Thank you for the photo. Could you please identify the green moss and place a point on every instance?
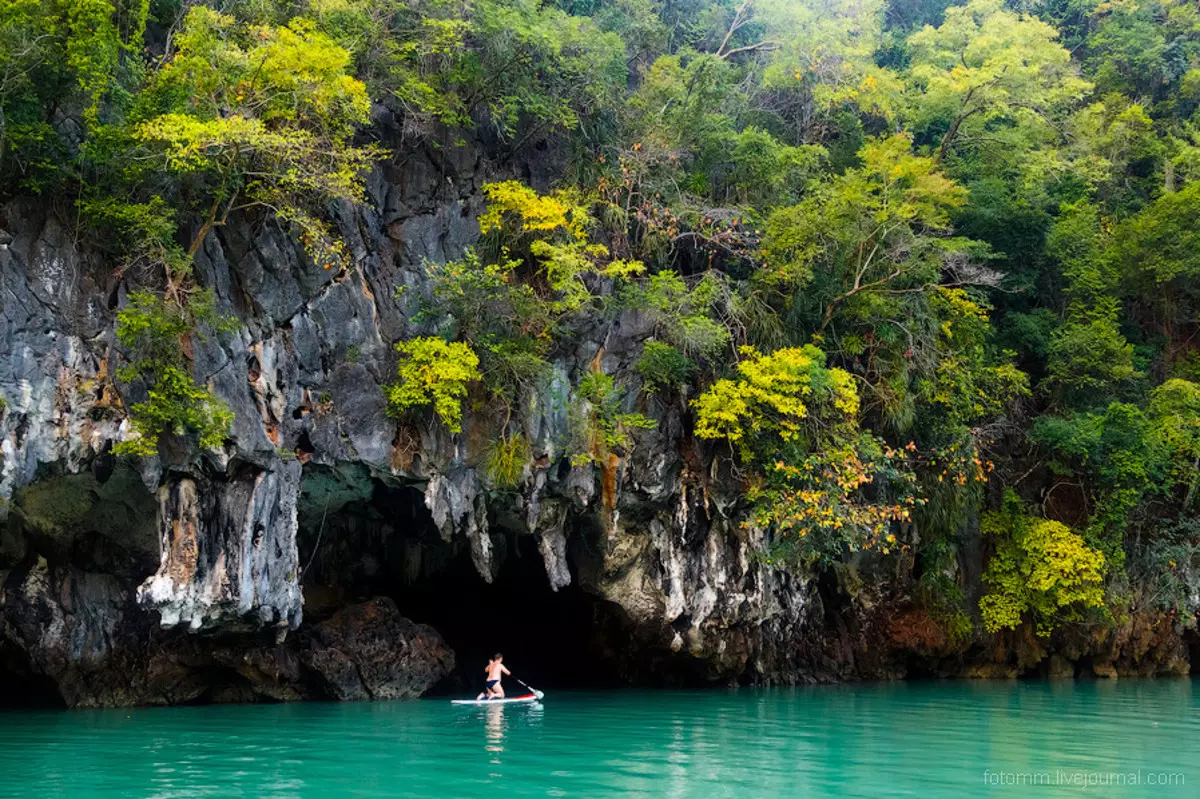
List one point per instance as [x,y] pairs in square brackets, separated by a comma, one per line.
[57,505]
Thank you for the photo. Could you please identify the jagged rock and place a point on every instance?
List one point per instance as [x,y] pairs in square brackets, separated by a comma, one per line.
[370,651]
[229,554]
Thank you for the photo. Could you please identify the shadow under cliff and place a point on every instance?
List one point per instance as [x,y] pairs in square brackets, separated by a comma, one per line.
[382,541]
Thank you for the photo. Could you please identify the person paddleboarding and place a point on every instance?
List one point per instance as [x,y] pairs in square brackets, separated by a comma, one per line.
[495,668]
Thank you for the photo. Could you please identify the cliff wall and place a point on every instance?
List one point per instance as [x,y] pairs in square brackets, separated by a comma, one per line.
[286,566]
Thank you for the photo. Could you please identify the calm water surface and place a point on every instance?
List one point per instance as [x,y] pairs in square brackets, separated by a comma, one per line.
[920,739]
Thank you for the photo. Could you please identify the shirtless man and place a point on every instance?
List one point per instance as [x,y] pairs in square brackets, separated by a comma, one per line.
[495,668]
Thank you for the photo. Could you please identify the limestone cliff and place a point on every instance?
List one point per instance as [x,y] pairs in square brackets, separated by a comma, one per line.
[258,572]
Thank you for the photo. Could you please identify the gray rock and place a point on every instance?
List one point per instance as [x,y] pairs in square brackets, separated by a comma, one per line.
[370,651]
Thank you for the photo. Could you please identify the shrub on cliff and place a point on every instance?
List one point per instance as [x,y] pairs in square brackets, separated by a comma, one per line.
[1040,571]
[821,486]
[154,330]
[433,372]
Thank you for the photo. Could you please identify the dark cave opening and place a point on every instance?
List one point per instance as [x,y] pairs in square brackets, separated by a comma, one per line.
[21,686]
[550,639]
[379,539]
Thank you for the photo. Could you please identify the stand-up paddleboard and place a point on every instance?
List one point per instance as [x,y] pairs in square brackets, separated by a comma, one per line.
[508,700]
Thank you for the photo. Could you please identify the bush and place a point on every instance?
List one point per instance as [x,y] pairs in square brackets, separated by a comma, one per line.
[1040,569]
[153,329]
[663,367]
[777,393]
[435,372]
[603,428]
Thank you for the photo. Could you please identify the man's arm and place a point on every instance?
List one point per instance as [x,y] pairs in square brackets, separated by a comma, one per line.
[504,669]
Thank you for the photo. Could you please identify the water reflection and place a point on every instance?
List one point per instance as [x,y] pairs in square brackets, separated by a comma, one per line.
[932,740]
[494,732]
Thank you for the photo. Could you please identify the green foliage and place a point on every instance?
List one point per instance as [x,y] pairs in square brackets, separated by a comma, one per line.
[970,383]
[247,115]
[663,367]
[1166,568]
[536,272]
[433,372]
[505,460]
[1089,358]
[870,229]
[1116,454]
[820,488]
[1174,414]
[683,315]
[1159,252]
[153,330]
[518,60]
[602,428]
[1039,570]
[986,65]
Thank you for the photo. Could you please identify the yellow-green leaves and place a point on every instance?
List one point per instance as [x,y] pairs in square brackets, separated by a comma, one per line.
[827,50]
[434,372]
[293,75]
[259,115]
[153,330]
[772,394]
[986,63]
[552,232]
[1040,571]
[514,208]
[868,229]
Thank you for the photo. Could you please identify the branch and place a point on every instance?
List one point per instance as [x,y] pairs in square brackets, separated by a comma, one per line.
[740,18]
[764,45]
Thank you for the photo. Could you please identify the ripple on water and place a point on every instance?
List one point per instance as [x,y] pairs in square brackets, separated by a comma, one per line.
[924,740]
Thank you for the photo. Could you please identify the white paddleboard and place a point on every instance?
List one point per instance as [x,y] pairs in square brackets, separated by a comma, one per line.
[508,700]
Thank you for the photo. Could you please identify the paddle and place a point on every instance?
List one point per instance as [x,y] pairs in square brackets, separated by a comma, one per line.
[534,691]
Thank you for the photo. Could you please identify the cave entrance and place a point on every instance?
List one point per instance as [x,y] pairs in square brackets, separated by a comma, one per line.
[550,639]
[361,537]
[20,684]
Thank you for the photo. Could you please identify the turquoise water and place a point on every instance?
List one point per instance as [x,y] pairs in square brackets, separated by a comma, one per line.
[915,739]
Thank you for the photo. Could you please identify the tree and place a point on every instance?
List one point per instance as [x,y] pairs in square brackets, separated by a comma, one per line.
[877,229]
[531,67]
[257,117]
[1089,358]
[1158,253]
[986,68]
[1174,414]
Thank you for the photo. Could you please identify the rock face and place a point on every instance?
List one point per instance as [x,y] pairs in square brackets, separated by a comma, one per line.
[228,551]
[85,633]
[133,582]
[370,651]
